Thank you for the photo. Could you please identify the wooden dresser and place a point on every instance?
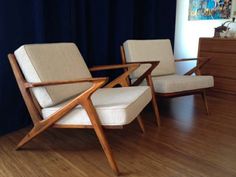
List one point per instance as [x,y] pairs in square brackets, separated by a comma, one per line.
[222,66]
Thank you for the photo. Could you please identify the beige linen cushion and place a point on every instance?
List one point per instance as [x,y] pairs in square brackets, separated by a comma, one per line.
[115,106]
[53,62]
[178,83]
[150,50]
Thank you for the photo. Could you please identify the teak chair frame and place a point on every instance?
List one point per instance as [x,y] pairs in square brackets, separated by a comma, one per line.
[201,61]
[84,99]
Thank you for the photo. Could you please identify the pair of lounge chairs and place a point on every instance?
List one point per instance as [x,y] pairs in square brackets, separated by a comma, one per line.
[60,92]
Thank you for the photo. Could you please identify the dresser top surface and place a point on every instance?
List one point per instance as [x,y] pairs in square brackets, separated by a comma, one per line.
[220,39]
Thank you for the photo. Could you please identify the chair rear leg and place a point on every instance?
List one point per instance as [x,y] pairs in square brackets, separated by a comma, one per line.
[36,130]
[100,134]
[205,101]
[33,133]
[141,124]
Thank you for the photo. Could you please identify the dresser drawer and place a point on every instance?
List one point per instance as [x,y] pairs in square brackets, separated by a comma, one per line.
[223,63]
[220,71]
[222,59]
[225,85]
[218,45]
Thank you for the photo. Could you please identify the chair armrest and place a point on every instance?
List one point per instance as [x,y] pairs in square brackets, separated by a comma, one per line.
[111,67]
[147,73]
[185,59]
[144,62]
[83,98]
[192,59]
[63,82]
[201,61]
[120,80]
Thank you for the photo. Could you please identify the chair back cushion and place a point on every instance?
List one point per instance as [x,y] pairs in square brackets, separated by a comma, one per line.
[53,62]
[150,50]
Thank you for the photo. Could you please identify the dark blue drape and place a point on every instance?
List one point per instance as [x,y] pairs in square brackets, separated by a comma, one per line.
[98,27]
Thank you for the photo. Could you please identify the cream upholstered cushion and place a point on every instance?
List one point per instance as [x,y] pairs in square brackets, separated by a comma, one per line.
[179,83]
[150,50]
[115,106]
[53,62]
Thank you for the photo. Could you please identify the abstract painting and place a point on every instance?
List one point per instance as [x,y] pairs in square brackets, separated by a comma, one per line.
[209,9]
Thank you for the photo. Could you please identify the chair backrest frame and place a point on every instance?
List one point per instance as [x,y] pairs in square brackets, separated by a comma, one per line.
[31,103]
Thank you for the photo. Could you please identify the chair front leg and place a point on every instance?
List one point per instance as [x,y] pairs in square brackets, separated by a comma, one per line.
[203,94]
[154,100]
[92,114]
[43,125]
[141,124]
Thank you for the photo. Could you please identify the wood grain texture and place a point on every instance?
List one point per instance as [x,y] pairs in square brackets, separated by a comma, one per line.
[223,64]
[32,108]
[188,144]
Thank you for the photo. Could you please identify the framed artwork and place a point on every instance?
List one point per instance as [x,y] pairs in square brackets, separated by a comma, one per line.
[209,9]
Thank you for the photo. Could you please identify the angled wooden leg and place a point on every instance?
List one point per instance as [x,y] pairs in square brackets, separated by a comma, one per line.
[36,130]
[25,140]
[205,101]
[156,111]
[141,124]
[33,133]
[154,101]
[88,106]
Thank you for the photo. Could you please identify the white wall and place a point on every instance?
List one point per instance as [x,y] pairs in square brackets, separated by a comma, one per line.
[187,33]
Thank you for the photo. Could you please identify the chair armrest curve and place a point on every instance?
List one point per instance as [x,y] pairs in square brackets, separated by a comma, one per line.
[111,67]
[63,82]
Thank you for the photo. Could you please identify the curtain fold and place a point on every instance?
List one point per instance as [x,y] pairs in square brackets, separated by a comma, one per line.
[98,27]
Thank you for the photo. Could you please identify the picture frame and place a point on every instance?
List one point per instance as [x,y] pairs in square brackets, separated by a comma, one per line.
[209,9]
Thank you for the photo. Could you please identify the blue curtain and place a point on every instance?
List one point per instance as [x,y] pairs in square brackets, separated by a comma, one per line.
[98,27]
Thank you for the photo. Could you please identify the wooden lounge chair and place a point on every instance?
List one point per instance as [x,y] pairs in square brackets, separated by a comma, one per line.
[163,80]
[60,92]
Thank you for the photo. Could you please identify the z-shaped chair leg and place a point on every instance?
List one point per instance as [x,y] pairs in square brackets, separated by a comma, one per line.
[36,130]
[88,106]
[141,124]
[205,101]
[26,139]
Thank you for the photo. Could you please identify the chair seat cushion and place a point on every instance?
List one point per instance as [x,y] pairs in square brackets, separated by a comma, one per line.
[179,83]
[115,106]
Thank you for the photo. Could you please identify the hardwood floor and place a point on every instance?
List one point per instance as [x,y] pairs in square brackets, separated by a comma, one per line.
[188,144]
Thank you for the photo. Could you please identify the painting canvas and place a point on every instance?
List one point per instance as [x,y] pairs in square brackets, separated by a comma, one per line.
[209,9]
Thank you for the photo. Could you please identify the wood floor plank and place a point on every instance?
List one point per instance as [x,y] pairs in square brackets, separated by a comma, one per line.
[188,144]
